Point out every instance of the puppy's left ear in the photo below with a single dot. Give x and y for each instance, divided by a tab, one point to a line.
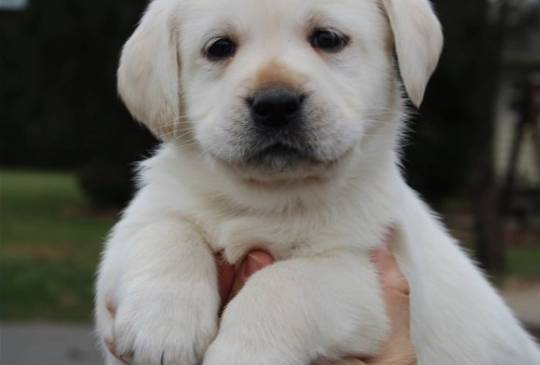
148	76
418	40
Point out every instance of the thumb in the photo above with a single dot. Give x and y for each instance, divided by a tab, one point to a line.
255	261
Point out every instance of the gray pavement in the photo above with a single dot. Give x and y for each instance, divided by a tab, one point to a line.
52	344
525	301
47	344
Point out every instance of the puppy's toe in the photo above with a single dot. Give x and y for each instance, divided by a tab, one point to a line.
234	351
152	333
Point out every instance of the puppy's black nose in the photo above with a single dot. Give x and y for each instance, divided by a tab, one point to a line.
276	107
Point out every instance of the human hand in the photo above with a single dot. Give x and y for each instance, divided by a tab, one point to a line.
232	279
399	349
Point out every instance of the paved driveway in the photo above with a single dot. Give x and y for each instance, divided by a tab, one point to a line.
46	344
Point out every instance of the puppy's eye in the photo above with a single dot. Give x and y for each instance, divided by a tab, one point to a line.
328	40
220	49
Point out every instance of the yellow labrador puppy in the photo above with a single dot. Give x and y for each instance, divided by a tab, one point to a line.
280	122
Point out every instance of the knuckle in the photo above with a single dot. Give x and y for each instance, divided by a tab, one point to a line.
412	359
398	282
403	286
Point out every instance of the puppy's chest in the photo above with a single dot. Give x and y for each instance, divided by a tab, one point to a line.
283	236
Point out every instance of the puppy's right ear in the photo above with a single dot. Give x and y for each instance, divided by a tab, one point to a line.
148	75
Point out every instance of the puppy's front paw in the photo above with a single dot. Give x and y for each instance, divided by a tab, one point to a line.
228	350
258	333
165	326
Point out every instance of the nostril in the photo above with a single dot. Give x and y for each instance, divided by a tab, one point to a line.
264	107
277	103
291	106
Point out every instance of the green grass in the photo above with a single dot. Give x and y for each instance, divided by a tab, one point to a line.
49	247
524	263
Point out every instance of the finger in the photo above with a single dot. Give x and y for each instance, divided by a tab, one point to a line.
390	274
255	261
350	362
226	275
395	290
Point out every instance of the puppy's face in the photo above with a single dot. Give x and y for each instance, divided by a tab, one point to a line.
274	89
284	87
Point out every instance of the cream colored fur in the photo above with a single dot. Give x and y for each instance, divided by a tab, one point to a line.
321	300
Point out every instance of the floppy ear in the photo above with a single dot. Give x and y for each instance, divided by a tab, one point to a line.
418	40
148	75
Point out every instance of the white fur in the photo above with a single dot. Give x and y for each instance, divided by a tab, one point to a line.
418	56
322	299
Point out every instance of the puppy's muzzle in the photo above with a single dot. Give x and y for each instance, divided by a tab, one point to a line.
280	136
276	108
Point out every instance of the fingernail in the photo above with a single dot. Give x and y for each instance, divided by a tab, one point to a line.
258	257
258	260
253	264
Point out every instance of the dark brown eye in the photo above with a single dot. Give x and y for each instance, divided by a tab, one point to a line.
220	49
328	41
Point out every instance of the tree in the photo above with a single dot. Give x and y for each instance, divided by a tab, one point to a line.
58	101
58	91
476	31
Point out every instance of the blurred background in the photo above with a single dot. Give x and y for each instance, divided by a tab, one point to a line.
473	152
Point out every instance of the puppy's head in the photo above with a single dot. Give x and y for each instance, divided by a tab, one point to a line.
278	89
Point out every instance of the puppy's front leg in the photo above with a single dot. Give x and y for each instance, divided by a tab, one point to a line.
161	279
301	310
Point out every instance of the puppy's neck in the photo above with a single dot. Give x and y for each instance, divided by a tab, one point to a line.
355	212
357	183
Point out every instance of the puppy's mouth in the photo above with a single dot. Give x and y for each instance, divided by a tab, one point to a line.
285	156
280	165
280	156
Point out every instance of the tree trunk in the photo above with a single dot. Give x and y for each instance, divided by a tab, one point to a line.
490	249
535	120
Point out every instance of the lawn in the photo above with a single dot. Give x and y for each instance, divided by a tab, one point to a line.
50	242
49	247
524	263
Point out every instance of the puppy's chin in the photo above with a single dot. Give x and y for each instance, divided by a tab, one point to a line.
283	168
279	159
